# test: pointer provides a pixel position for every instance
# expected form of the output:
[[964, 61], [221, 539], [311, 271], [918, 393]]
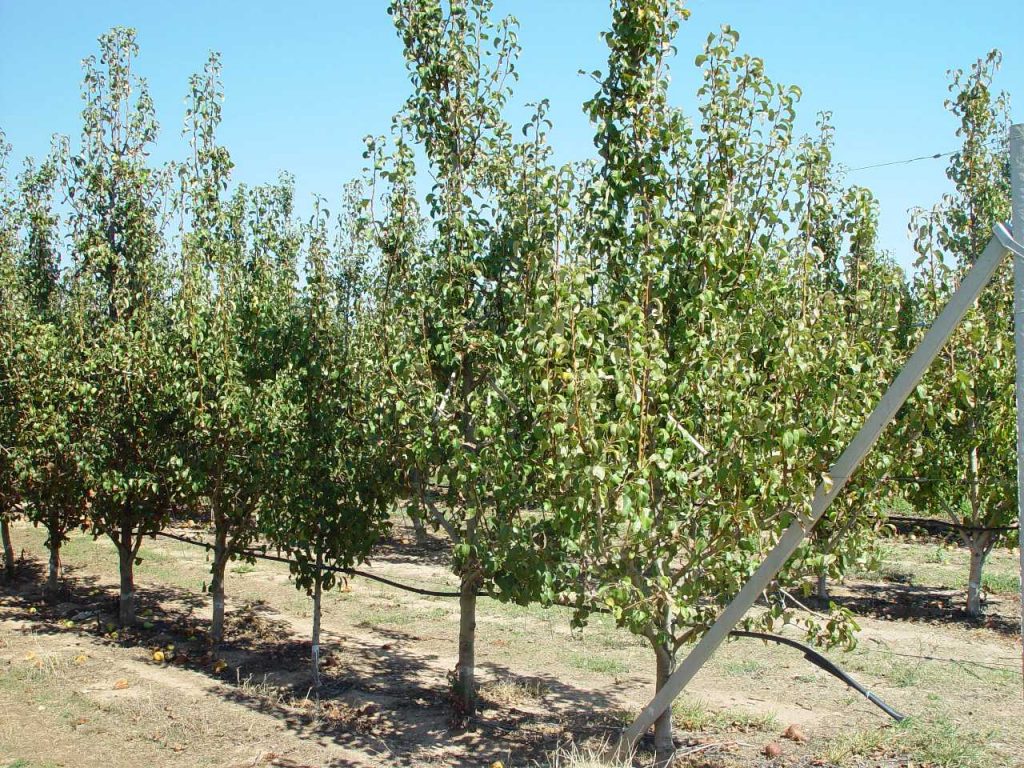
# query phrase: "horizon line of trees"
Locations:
[[609, 384]]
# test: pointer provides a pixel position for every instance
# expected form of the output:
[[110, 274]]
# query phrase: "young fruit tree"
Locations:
[[55, 401], [11, 347], [119, 286], [868, 320], [336, 465], [462, 293], [960, 425], [700, 369], [221, 331]]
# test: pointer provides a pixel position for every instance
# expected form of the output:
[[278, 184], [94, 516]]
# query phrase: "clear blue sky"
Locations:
[[307, 80]]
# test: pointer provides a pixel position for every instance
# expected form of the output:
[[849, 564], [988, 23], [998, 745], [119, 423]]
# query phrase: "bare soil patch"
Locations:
[[76, 691]]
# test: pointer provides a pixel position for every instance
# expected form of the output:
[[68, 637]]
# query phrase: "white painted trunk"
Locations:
[[466, 684], [317, 597], [220, 562], [664, 746], [978, 554], [53, 577], [126, 604]]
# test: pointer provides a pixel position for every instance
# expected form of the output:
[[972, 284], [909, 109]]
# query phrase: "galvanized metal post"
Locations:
[[1017, 223], [841, 471]]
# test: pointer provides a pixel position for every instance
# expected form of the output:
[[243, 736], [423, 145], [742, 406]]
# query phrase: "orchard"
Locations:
[[599, 391]]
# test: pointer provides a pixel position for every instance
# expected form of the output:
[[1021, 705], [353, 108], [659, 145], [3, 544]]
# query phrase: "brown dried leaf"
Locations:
[[795, 733]]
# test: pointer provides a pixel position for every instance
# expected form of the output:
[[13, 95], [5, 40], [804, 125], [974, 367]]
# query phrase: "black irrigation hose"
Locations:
[[331, 568], [815, 658], [926, 522], [997, 481], [809, 653], [827, 665]]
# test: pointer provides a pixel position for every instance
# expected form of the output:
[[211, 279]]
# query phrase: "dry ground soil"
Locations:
[[74, 691]]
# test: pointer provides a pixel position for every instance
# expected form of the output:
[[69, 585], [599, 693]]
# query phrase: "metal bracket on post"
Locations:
[[838, 475], [1009, 243]]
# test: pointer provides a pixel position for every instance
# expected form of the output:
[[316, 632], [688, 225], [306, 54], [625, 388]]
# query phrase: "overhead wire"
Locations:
[[937, 155]]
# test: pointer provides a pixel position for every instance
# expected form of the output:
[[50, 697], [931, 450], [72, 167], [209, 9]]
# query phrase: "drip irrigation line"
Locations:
[[817, 659], [998, 482], [332, 568], [809, 653], [930, 522], [826, 664]]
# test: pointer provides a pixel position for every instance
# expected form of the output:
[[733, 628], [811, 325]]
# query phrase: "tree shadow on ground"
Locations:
[[382, 695], [83, 604], [402, 547], [901, 600]]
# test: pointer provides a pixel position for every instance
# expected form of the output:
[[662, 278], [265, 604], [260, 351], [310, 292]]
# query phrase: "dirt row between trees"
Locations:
[[76, 692]]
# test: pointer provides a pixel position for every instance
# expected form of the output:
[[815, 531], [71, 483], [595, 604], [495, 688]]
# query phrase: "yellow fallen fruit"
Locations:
[[158, 657], [497, 764]]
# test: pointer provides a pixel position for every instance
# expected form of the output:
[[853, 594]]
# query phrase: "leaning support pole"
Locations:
[[831, 485], [1017, 221]]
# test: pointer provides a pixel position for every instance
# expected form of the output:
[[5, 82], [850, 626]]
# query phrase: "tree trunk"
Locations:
[[466, 668], [823, 585], [126, 561], [53, 541], [220, 562], [126, 605], [466, 682], [416, 483], [664, 747], [5, 532], [53, 577], [977, 541], [317, 594], [979, 547], [419, 529]]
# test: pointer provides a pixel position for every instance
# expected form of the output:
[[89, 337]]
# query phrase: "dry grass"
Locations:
[[262, 689], [697, 716], [34, 667], [937, 743], [509, 691], [587, 756], [158, 717]]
